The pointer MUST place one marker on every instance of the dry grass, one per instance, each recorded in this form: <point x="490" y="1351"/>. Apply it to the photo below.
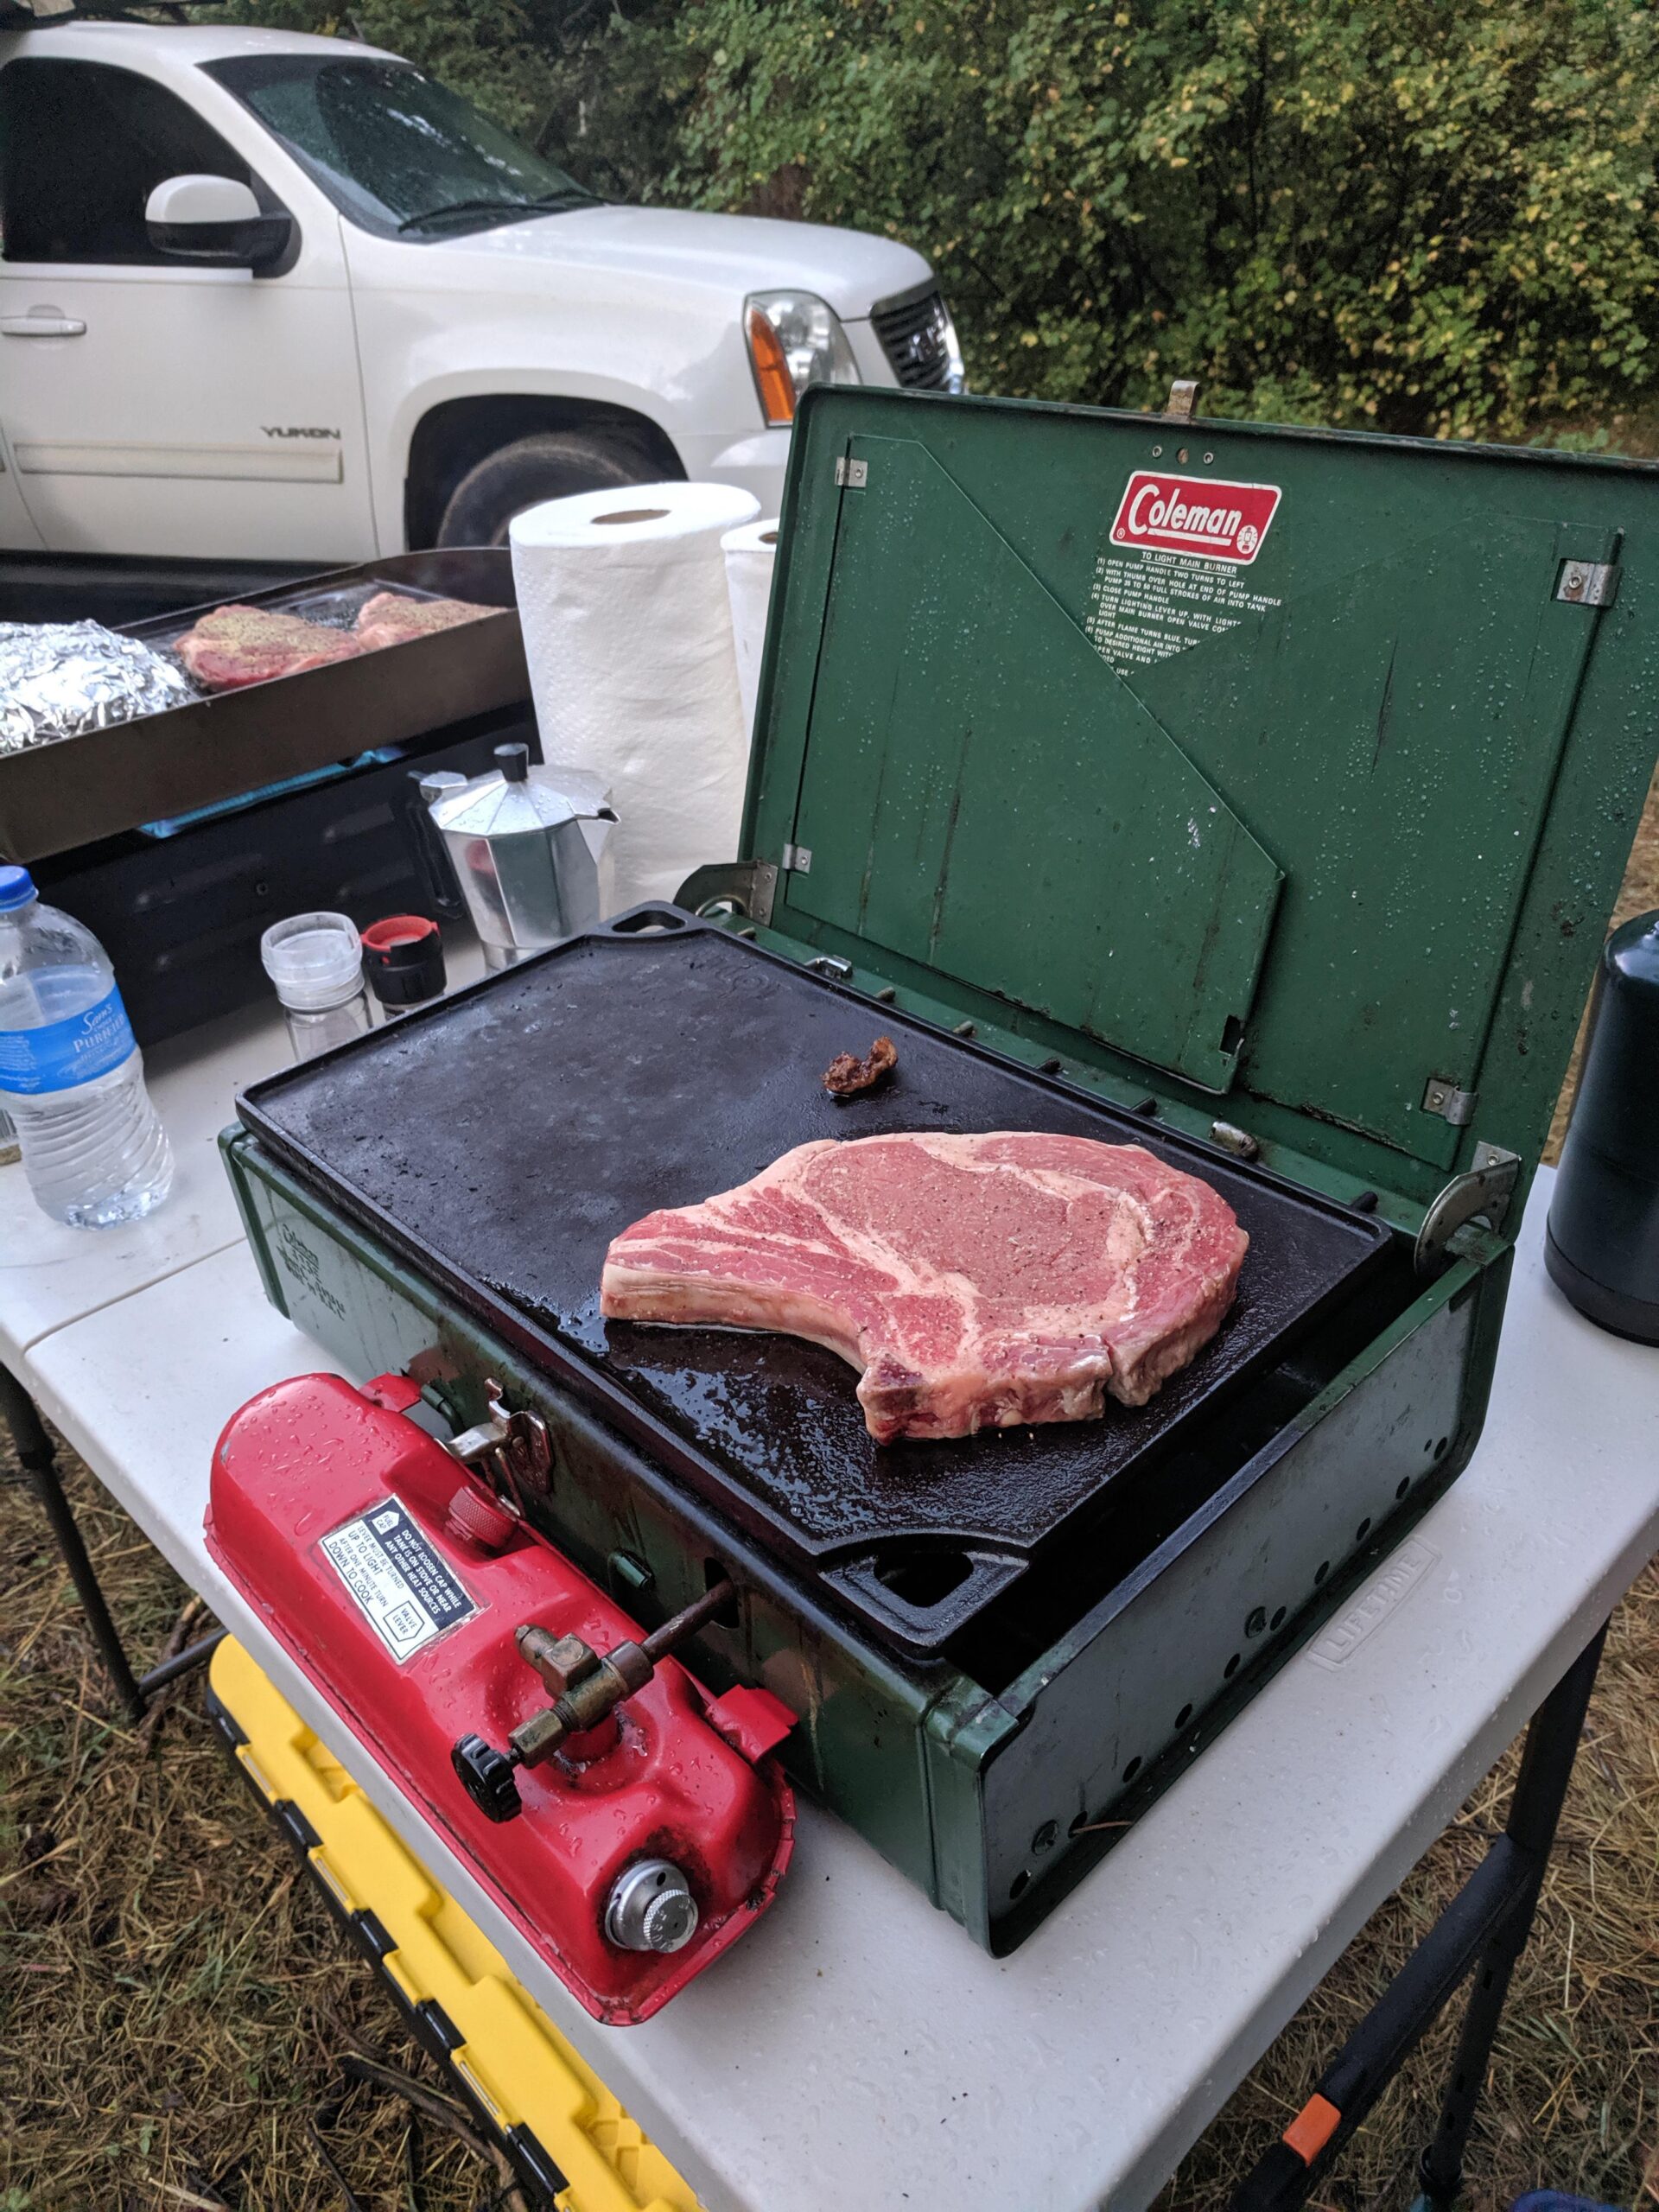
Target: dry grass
<point x="176" y="2012"/>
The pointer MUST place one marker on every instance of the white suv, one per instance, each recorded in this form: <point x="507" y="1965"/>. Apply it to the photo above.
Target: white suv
<point x="272" y="297"/>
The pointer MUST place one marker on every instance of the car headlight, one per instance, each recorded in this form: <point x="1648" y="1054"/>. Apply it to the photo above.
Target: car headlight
<point x="795" y="338"/>
<point x="956" y="374"/>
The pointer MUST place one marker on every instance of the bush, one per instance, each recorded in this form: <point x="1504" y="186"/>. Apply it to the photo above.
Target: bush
<point x="1423" y="215"/>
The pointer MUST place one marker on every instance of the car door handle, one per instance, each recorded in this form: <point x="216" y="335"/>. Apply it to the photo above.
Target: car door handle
<point x="41" y="326"/>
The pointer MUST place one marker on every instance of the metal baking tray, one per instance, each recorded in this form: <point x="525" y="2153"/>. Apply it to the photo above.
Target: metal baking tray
<point x="57" y="796"/>
<point x="498" y="1142"/>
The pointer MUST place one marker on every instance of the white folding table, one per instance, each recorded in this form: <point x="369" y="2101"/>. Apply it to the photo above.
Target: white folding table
<point x="856" y="2048"/>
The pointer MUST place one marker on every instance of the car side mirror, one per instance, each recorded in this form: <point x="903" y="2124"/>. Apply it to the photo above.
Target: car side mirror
<point x="214" y="218"/>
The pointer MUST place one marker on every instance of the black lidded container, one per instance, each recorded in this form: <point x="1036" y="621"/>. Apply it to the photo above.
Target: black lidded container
<point x="1602" y="1246"/>
<point x="402" y="958"/>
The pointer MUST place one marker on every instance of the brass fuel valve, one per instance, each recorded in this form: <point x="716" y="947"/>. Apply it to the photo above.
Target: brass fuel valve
<point x="586" y="1685"/>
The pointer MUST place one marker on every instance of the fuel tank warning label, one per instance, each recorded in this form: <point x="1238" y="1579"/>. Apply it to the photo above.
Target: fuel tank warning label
<point x="398" y="1581"/>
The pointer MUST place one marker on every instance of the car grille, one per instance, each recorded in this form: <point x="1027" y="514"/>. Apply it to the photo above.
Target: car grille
<point x="912" y="335"/>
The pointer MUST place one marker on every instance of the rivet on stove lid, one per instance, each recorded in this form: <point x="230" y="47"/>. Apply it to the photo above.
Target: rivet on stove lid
<point x="964" y="1029"/>
<point x="886" y="996"/>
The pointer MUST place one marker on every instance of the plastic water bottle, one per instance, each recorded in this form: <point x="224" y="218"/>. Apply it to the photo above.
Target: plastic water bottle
<point x="72" y="1076"/>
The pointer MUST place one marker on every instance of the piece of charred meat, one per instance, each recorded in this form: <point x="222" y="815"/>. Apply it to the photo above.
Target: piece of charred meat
<point x="846" y="1075"/>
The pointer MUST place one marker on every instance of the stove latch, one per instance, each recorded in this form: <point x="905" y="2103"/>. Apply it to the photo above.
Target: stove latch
<point x="510" y="1450"/>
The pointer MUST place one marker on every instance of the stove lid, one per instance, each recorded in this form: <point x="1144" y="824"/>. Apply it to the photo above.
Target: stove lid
<point x="1299" y="766"/>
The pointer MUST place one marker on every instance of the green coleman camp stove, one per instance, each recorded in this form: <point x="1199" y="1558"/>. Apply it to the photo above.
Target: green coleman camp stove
<point x="1255" y="795"/>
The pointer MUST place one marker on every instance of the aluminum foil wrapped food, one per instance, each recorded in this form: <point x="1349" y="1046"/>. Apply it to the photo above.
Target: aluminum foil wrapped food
<point x="61" y="679"/>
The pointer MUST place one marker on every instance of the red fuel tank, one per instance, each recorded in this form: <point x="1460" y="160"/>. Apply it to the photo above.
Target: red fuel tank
<point x="396" y="1581"/>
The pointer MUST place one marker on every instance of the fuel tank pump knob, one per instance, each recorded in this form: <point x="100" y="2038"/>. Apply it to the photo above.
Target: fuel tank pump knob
<point x="487" y="1776"/>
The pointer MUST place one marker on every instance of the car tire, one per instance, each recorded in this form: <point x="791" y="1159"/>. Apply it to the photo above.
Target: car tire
<point x="549" y="465"/>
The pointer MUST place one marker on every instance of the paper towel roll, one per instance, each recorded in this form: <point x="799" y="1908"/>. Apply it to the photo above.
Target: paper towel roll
<point x="628" y="634"/>
<point x="751" y="555"/>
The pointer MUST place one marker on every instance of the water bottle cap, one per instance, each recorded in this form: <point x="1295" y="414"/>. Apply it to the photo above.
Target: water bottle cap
<point x="16" y="888"/>
<point x="315" y="960"/>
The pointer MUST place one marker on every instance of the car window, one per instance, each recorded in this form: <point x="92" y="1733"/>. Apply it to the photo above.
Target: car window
<point x="397" y="153"/>
<point x="82" y="147"/>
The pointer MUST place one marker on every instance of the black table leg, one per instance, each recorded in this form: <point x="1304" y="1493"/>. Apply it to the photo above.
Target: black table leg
<point x="1535" y="1811"/>
<point x="1483" y="1931"/>
<point x="38" y="1458"/>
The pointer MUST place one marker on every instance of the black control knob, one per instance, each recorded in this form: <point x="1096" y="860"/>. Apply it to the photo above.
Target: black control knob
<point x="487" y="1776"/>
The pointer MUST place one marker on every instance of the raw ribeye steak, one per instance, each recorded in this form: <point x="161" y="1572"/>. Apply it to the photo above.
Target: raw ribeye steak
<point x="235" y="646"/>
<point x="390" y="618"/>
<point x="977" y="1281"/>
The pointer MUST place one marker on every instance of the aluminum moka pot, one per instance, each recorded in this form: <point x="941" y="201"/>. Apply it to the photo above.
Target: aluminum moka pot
<point x="526" y="848"/>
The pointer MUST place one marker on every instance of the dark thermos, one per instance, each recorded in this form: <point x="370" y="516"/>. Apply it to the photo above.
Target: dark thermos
<point x="1602" y="1247"/>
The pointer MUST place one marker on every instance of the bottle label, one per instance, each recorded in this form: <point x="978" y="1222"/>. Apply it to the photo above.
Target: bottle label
<point x="61" y="1054"/>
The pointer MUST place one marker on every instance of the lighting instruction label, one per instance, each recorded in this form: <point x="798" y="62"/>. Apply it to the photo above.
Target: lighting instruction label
<point x="1174" y="570"/>
<point x="1144" y="606"/>
<point x="399" y="1582"/>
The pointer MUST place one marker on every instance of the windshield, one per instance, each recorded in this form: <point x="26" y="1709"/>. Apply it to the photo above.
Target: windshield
<point x="395" y="152"/>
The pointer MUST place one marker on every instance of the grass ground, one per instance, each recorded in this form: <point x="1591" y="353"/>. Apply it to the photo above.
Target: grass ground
<point x="178" y="2025"/>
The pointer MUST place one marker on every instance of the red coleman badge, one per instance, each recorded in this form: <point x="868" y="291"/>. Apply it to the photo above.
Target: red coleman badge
<point x="1192" y="514"/>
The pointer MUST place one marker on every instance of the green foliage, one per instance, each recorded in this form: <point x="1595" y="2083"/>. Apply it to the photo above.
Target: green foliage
<point x="1430" y="215"/>
<point x="1426" y="215"/>
<point x="574" y="77"/>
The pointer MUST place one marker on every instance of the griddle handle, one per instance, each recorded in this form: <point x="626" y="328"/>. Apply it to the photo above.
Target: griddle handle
<point x="425" y="849"/>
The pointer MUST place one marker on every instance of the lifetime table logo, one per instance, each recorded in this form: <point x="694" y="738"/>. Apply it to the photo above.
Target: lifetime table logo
<point x="1192" y="514"/>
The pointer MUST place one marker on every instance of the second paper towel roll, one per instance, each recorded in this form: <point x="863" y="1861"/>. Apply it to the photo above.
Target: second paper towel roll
<point x="751" y="555"/>
<point x="628" y="634"/>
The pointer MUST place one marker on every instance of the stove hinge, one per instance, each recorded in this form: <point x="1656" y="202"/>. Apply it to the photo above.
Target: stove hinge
<point x="749" y="886"/>
<point x="1484" y="1193"/>
<point x="852" y="475"/>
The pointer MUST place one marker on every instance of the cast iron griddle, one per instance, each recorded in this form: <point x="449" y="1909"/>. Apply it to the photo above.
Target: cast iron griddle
<point x="500" y="1140"/>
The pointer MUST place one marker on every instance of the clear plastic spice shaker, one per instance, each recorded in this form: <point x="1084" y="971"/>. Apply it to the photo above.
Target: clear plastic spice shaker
<point x="316" y="962"/>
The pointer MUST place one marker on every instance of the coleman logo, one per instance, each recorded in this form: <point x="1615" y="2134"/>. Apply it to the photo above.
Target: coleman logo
<point x="1190" y="514"/>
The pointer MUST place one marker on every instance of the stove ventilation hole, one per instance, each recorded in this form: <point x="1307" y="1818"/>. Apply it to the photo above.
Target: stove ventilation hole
<point x="1321" y="1572"/>
<point x="1402" y="1485"/>
<point x="650" y="921"/>
<point x="1439" y="1449"/>
<point x="1183" y="1716"/>
<point x="1362" y="1531"/>
<point x="714" y="1571"/>
<point x="1019" y="1884"/>
<point x="924" y="1579"/>
<point x="1132" y="1768"/>
<point x="1278" y="1620"/>
<point x="1231" y="1668"/>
